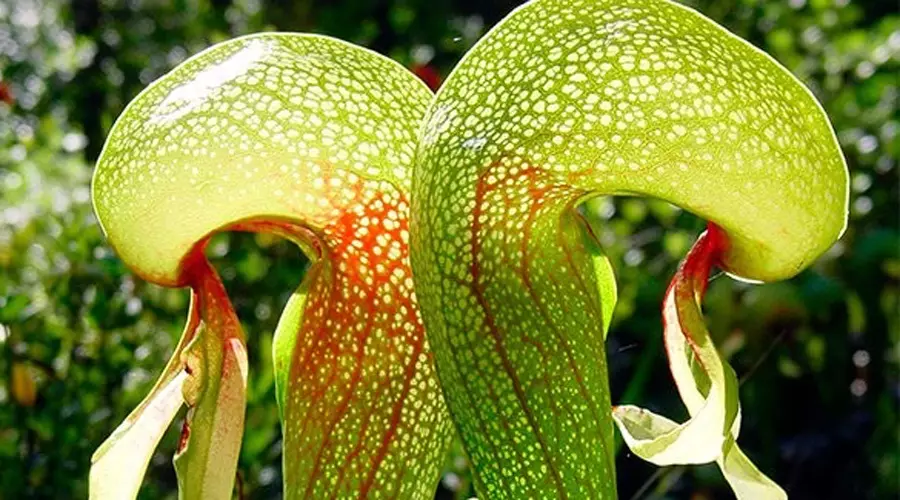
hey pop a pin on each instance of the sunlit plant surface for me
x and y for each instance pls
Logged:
(472, 196)
(282, 134)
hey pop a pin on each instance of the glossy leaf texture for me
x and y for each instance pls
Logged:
(567, 100)
(311, 139)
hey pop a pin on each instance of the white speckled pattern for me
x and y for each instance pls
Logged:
(563, 101)
(310, 138)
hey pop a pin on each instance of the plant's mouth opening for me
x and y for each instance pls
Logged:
(231, 263)
(260, 262)
(303, 237)
(628, 230)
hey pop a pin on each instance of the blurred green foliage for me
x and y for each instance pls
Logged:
(82, 339)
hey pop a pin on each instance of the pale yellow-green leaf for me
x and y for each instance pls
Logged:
(707, 385)
(118, 465)
(117, 469)
(747, 482)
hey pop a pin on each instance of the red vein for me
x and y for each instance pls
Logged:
(476, 288)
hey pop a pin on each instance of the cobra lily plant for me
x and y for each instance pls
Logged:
(567, 100)
(282, 134)
(473, 196)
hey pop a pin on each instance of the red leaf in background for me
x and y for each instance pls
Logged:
(428, 74)
(6, 94)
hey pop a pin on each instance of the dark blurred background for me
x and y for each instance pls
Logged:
(82, 340)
